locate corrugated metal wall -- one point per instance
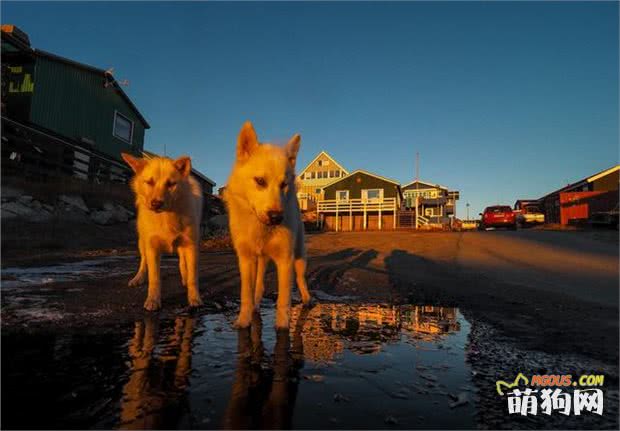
(74, 103)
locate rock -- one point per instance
(74, 201)
(460, 399)
(10, 193)
(49, 208)
(339, 397)
(40, 215)
(71, 213)
(391, 420)
(7, 214)
(36, 205)
(25, 199)
(315, 377)
(108, 206)
(17, 208)
(102, 217)
(218, 222)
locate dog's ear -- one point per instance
(183, 165)
(135, 163)
(247, 142)
(292, 148)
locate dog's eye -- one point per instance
(170, 184)
(283, 185)
(150, 182)
(260, 181)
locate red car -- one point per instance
(498, 216)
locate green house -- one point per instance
(68, 101)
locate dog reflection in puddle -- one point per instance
(264, 397)
(148, 391)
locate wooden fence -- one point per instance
(38, 155)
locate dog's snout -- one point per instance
(156, 204)
(275, 217)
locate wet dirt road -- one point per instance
(411, 328)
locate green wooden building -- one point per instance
(78, 114)
(360, 201)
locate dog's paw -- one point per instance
(138, 280)
(307, 300)
(281, 320)
(243, 321)
(194, 301)
(152, 304)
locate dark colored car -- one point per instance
(498, 216)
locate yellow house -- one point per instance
(323, 169)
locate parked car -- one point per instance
(605, 218)
(529, 214)
(498, 216)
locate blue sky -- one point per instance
(502, 100)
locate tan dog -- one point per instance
(169, 206)
(265, 222)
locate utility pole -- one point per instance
(467, 205)
(417, 193)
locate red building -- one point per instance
(577, 202)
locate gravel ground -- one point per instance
(538, 301)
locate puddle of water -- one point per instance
(339, 366)
(91, 269)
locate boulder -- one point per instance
(26, 200)
(72, 213)
(7, 214)
(103, 217)
(74, 201)
(10, 193)
(120, 214)
(17, 208)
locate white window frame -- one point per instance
(429, 212)
(365, 196)
(338, 196)
(118, 114)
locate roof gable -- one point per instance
(323, 153)
(418, 184)
(7, 36)
(361, 171)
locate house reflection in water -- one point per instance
(363, 329)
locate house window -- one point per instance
(337, 174)
(372, 195)
(317, 191)
(301, 177)
(342, 195)
(311, 175)
(320, 163)
(433, 194)
(429, 212)
(123, 127)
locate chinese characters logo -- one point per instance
(531, 401)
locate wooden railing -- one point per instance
(356, 205)
(350, 206)
(39, 156)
